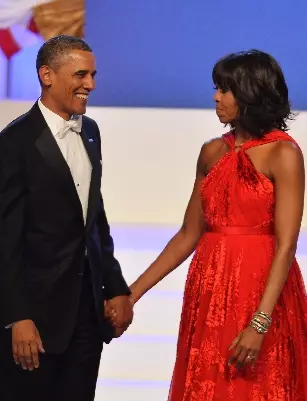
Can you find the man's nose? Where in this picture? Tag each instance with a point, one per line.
(89, 83)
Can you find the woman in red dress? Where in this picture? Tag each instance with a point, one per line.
(243, 331)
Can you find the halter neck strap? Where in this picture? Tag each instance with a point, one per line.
(272, 136)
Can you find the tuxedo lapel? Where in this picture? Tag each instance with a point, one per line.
(52, 155)
(48, 148)
(94, 192)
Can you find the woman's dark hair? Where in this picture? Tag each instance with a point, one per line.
(258, 85)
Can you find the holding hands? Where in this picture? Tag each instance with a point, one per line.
(119, 310)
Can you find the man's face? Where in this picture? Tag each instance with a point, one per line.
(69, 85)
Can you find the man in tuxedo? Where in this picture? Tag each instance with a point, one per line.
(57, 267)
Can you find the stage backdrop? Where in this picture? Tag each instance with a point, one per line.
(160, 53)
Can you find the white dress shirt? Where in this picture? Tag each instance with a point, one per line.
(74, 153)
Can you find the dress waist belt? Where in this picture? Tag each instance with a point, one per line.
(236, 230)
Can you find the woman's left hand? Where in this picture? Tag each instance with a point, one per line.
(246, 347)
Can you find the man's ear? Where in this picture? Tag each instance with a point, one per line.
(45, 75)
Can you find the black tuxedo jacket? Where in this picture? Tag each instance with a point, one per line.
(43, 238)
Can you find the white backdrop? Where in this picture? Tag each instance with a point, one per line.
(149, 157)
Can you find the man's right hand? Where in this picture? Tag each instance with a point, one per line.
(26, 344)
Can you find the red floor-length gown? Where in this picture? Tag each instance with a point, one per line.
(224, 287)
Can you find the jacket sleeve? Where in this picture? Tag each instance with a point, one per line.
(114, 282)
(13, 299)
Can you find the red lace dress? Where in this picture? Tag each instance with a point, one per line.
(224, 287)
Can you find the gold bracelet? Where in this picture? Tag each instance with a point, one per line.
(260, 329)
(264, 316)
(261, 322)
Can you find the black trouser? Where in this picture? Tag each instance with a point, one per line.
(70, 376)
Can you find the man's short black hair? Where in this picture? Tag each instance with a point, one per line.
(55, 48)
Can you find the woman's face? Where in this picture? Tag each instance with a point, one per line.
(226, 106)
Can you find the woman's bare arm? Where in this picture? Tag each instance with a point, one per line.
(287, 170)
(184, 242)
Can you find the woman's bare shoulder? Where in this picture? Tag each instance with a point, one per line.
(213, 146)
(211, 151)
(286, 155)
(286, 150)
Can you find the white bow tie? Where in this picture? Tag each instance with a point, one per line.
(75, 124)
